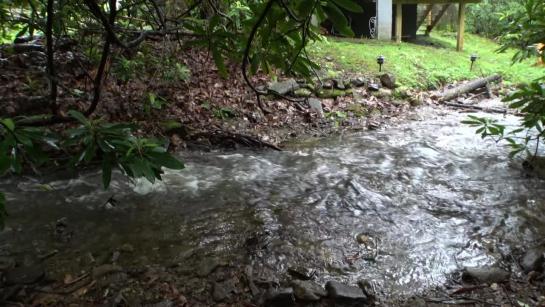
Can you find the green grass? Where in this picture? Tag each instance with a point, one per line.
(424, 66)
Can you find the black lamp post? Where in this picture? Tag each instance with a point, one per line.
(380, 61)
(473, 58)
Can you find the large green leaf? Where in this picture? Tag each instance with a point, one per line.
(349, 5)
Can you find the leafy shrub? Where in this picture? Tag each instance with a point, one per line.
(491, 17)
(116, 145)
(525, 32)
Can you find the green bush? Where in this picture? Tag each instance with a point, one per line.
(490, 18)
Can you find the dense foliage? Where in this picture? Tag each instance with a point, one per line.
(257, 34)
(491, 17)
(526, 33)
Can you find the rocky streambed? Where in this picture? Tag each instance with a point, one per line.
(420, 212)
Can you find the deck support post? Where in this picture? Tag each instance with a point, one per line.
(399, 22)
(384, 19)
(461, 26)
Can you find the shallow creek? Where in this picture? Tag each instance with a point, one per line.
(402, 207)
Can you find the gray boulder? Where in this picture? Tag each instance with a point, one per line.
(345, 293)
(358, 81)
(316, 106)
(388, 80)
(282, 297)
(533, 260)
(484, 275)
(24, 275)
(284, 87)
(306, 290)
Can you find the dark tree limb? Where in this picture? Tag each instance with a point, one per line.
(246, 57)
(97, 82)
(52, 80)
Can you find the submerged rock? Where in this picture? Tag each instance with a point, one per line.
(6, 263)
(282, 297)
(24, 275)
(345, 293)
(302, 92)
(306, 290)
(485, 275)
(533, 260)
(105, 270)
(207, 266)
(302, 273)
(223, 290)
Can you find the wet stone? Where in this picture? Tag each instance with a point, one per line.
(302, 273)
(208, 266)
(126, 248)
(307, 290)
(165, 303)
(345, 293)
(105, 270)
(283, 297)
(24, 275)
(533, 260)
(222, 291)
(6, 263)
(367, 288)
(485, 275)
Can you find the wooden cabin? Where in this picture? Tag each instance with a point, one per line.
(399, 19)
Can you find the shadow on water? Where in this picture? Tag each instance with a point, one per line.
(402, 207)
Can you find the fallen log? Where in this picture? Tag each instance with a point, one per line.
(482, 109)
(467, 87)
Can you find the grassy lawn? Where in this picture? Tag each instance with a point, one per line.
(425, 66)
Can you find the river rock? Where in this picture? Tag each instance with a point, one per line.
(24, 275)
(126, 248)
(316, 106)
(284, 87)
(105, 269)
(367, 288)
(388, 80)
(208, 266)
(484, 274)
(6, 263)
(357, 81)
(282, 297)
(301, 273)
(327, 84)
(533, 260)
(306, 290)
(345, 293)
(339, 84)
(373, 87)
(222, 291)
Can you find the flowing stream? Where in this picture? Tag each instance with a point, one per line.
(402, 207)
